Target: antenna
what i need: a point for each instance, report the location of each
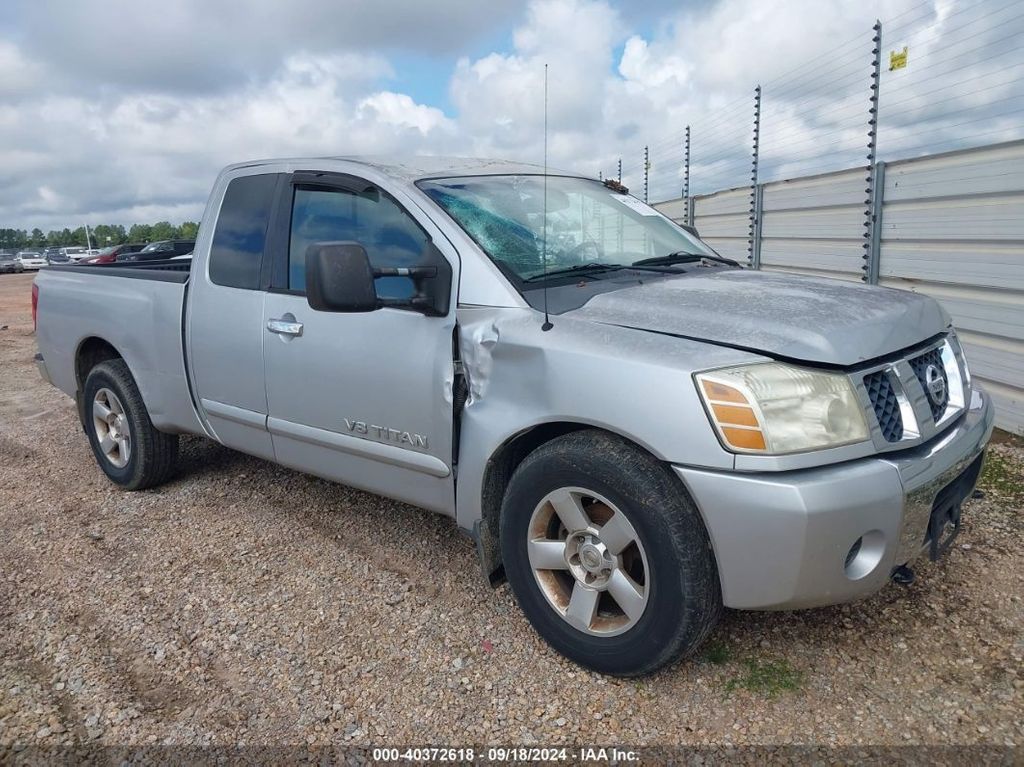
(544, 219)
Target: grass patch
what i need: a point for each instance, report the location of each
(717, 653)
(768, 678)
(1002, 477)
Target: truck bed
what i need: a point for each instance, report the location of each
(137, 310)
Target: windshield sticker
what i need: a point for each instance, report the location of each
(632, 202)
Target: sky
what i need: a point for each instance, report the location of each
(123, 111)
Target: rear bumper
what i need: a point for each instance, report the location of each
(781, 539)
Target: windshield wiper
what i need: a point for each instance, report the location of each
(682, 257)
(587, 268)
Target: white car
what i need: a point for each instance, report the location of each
(31, 259)
(76, 254)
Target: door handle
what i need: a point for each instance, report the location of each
(285, 327)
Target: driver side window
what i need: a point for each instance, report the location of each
(374, 220)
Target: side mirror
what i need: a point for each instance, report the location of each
(339, 278)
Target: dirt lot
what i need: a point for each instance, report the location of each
(245, 603)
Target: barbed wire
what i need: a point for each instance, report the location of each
(815, 116)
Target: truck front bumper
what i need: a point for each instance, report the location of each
(831, 534)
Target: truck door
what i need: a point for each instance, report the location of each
(363, 398)
(225, 312)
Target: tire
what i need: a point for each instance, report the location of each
(147, 457)
(668, 563)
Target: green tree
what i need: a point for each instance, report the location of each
(38, 238)
(140, 233)
(13, 239)
(164, 230)
(109, 234)
(188, 230)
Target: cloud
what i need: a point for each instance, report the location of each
(500, 97)
(399, 111)
(19, 76)
(198, 46)
(141, 153)
(121, 112)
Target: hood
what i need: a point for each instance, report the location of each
(782, 315)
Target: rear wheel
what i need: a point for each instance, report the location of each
(607, 555)
(129, 449)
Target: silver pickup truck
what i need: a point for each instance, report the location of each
(635, 431)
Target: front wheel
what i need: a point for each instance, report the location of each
(129, 449)
(607, 555)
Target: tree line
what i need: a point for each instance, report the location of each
(100, 235)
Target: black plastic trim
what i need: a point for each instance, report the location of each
(159, 271)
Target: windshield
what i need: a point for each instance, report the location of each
(587, 223)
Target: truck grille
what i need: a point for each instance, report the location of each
(886, 406)
(920, 365)
(912, 397)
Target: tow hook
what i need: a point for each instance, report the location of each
(902, 575)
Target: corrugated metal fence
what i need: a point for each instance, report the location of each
(951, 225)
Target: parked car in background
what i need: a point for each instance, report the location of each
(75, 254)
(110, 255)
(56, 256)
(31, 259)
(160, 250)
(10, 263)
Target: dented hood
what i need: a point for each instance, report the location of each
(802, 318)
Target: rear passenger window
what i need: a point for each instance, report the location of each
(241, 231)
(374, 220)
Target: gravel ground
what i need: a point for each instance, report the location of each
(243, 603)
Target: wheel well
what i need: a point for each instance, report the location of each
(91, 352)
(497, 474)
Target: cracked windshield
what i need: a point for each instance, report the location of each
(588, 223)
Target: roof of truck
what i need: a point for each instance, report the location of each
(411, 168)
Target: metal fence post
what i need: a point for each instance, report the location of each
(755, 260)
(872, 221)
(686, 177)
(647, 168)
(877, 202)
(752, 235)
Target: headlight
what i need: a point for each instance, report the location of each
(777, 408)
